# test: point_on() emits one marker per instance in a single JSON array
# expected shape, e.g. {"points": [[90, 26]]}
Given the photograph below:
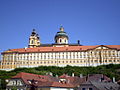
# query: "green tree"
{"points": [[14, 88]]}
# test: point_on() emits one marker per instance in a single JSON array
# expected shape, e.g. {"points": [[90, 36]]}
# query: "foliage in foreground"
{"points": [[109, 70]]}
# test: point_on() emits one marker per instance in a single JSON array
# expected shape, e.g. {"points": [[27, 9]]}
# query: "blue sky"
{"points": [[93, 22]]}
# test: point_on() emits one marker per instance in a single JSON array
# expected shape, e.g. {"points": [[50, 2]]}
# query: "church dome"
{"points": [[61, 33], [61, 37]]}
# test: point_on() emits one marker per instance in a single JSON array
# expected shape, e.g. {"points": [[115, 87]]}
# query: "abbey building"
{"points": [[61, 53]]}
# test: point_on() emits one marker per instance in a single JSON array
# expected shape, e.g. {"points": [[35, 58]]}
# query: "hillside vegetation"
{"points": [[109, 70]]}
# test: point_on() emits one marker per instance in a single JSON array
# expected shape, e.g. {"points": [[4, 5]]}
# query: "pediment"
{"points": [[102, 47]]}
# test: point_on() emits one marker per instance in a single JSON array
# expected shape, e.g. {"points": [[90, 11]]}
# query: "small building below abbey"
{"points": [[61, 53]]}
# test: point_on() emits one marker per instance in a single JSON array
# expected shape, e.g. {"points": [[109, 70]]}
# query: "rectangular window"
{"points": [[90, 89], [83, 88]]}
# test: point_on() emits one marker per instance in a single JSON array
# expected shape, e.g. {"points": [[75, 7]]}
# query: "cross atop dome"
{"points": [[33, 32], [61, 28], [61, 37]]}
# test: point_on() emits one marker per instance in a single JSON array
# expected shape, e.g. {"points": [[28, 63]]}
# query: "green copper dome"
{"points": [[61, 33]]}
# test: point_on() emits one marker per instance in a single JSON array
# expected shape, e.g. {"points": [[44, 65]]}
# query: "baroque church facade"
{"points": [[61, 53]]}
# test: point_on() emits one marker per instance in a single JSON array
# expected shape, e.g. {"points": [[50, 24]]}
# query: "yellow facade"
{"points": [[101, 55], [59, 54]]}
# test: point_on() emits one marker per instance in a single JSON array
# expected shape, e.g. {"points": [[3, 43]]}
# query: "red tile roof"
{"points": [[64, 76], [57, 49], [28, 76], [54, 84], [118, 81], [73, 80], [98, 77], [50, 81], [59, 84], [42, 80]]}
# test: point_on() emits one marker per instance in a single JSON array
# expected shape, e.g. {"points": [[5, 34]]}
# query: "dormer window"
{"points": [[32, 81], [29, 81], [14, 82], [62, 80]]}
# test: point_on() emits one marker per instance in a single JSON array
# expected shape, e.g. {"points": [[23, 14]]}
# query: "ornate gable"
{"points": [[102, 47]]}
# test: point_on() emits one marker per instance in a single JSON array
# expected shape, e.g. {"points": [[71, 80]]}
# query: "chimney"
{"points": [[56, 76], [102, 78], [6, 80], [25, 48], [51, 74], [87, 77], [81, 75], [47, 73], [113, 80], [78, 42], [73, 74], [68, 81]]}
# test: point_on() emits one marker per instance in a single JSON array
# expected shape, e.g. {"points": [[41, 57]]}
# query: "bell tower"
{"points": [[34, 40], [61, 37]]}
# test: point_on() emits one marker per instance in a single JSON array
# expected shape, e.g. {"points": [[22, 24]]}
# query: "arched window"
{"points": [[32, 42], [60, 40], [65, 41]]}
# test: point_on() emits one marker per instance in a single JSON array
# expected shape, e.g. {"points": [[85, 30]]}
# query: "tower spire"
{"points": [[34, 40], [61, 28]]}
